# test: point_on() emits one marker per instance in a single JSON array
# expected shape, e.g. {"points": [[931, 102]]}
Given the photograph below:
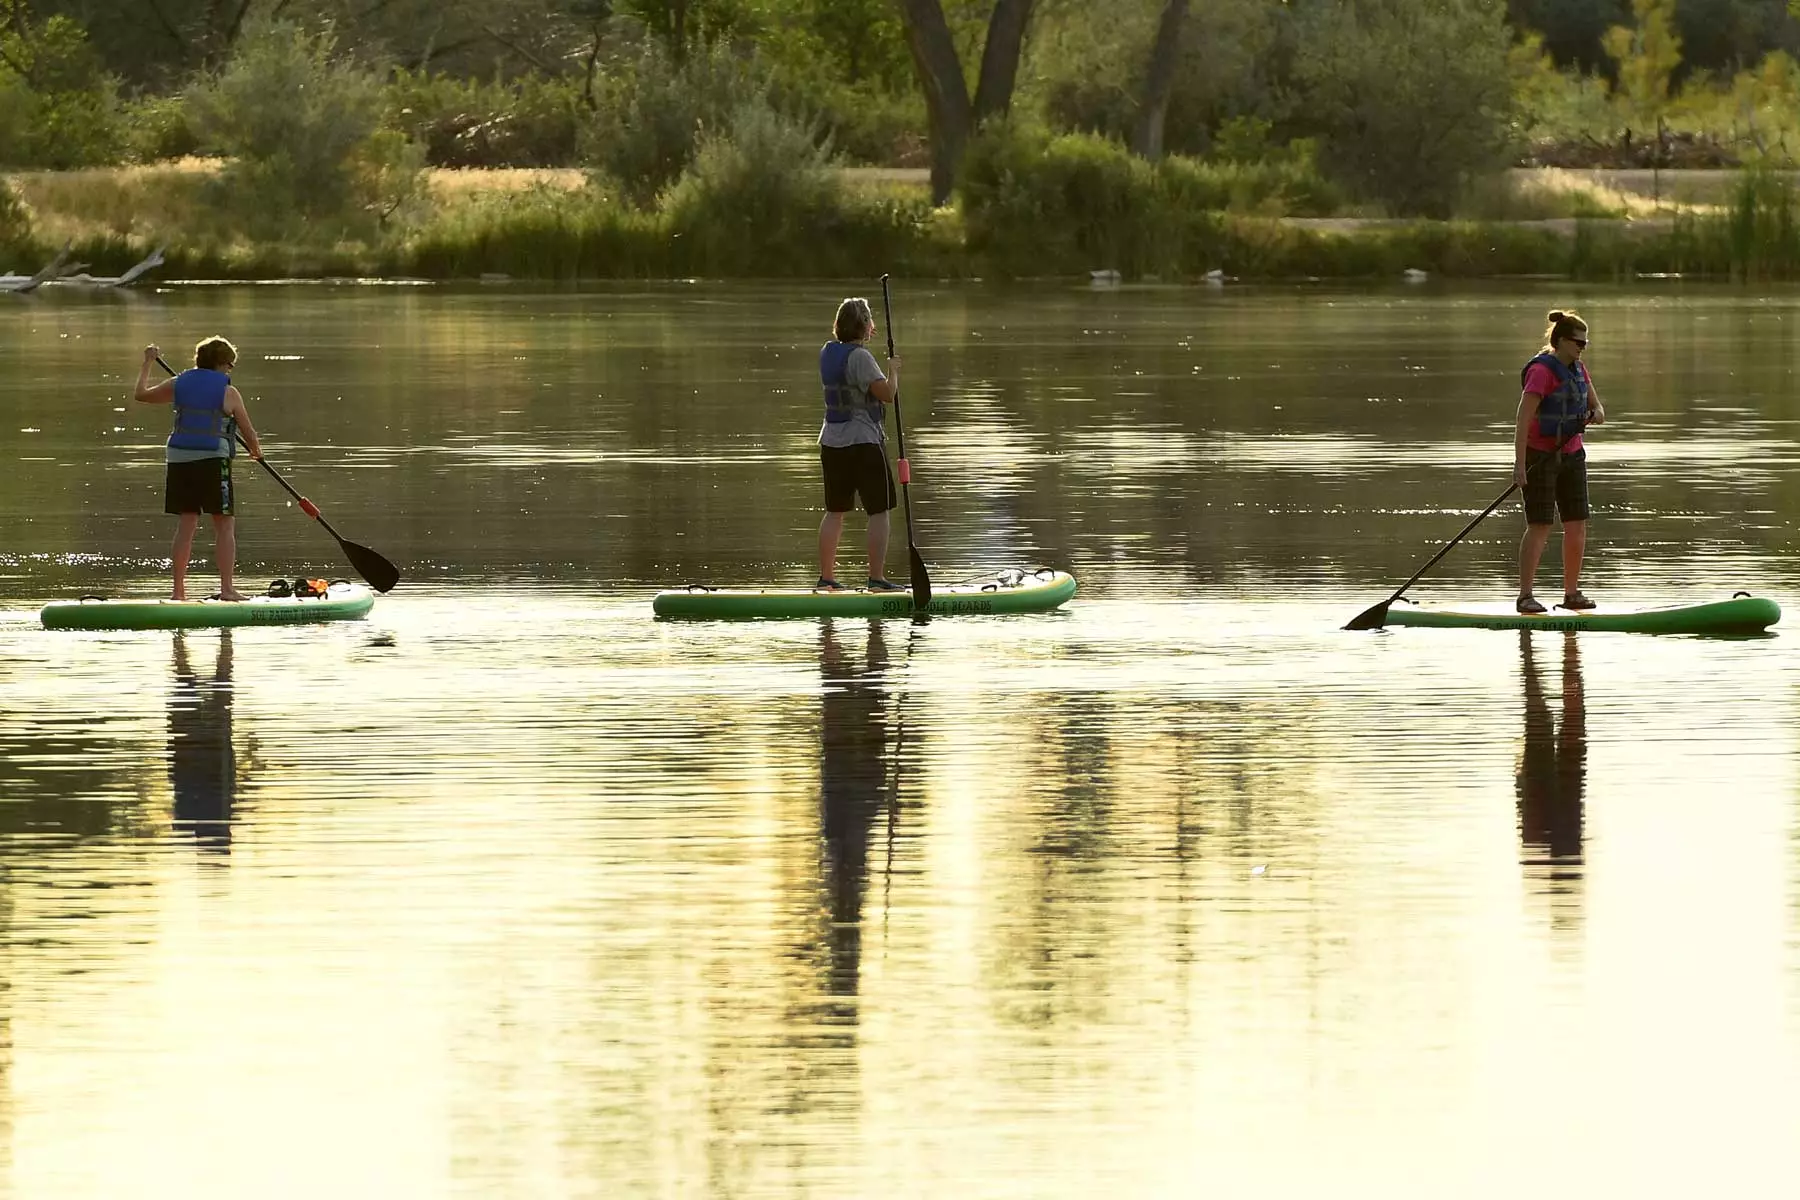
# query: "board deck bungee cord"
{"points": [[1009, 591]]}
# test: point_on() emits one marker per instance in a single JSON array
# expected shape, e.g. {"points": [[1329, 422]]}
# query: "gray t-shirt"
{"points": [[861, 370]]}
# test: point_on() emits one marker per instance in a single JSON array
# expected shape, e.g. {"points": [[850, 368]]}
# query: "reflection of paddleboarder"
{"points": [[853, 764], [1553, 764], [202, 764]]}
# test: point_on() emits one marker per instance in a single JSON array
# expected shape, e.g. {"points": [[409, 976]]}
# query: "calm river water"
{"points": [[512, 890]]}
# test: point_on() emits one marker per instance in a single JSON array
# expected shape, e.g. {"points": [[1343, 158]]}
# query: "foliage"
{"points": [[1399, 127], [15, 218], [58, 106], [1767, 102], [531, 121], [1086, 72], [302, 126], [762, 187], [653, 113], [1646, 56]]}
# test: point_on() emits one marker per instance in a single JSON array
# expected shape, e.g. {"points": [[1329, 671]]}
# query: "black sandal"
{"points": [[1530, 606]]}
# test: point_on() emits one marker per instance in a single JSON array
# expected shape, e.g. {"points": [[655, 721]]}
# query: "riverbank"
{"points": [[557, 226]]}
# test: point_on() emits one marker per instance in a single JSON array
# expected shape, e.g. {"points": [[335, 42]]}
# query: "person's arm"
{"points": [[885, 388], [147, 393], [1528, 406], [234, 408], [1596, 410]]}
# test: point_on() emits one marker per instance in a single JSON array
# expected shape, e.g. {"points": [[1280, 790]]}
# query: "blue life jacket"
{"points": [[1563, 413], [842, 398], [200, 420]]}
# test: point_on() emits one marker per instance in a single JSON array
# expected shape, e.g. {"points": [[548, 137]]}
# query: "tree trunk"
{"points": [[946, 93], [952, 115], [1000, 58], [1159, 80]]}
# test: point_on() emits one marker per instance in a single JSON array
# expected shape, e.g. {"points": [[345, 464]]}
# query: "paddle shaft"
{"points": [[921, 581]]}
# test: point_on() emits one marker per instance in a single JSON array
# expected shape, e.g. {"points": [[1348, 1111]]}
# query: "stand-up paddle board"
{"points": [[1742, 614], [341, 602], [1009, 591]]}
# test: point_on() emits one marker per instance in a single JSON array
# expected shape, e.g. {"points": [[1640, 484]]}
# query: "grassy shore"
{"points": [[557, 225]]}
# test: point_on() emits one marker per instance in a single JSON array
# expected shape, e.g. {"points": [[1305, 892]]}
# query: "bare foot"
{"points": [[233, 594], [178, 595]]}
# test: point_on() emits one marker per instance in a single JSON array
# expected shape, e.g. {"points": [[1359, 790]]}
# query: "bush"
{"points": [[1401, 127], [157, 129], [756, 191], [533, 121], [303, 130], [1035, 205], [653, 113], [58, 106], [15, 218]]}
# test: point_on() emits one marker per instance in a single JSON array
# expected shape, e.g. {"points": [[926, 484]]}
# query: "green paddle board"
{"points": [[1010, 591], [343, 602], [1742, 614]]}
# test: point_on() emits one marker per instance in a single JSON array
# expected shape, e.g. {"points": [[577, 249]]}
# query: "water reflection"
{"points": [[857, 743], [1552, 775], [202, 763]]}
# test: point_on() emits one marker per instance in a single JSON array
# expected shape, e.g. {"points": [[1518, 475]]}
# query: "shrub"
{"points": [[303, 129], [755, 192], [15, 218], [533, 121], [1398, 126], [653, 113], [157, 129], [58, 106]]}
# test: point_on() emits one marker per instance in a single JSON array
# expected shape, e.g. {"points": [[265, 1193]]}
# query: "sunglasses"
{"points": [[1582, 342]]}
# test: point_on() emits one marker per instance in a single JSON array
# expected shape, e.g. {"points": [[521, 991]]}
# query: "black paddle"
{"points": [[381, 574], [1375, 616], [921, 582]]}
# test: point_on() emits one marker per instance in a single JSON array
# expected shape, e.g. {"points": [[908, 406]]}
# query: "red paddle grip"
{"points": [[905, 470], [309, 508]]}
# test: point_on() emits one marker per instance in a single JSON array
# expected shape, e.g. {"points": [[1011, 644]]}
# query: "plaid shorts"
{"points": [[1555, 483]]}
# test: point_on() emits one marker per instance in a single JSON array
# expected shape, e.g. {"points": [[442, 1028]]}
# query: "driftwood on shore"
{"points": [[59, 271]]}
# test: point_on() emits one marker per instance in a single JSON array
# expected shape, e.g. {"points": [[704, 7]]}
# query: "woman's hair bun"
{"points": [[1557, 314]]}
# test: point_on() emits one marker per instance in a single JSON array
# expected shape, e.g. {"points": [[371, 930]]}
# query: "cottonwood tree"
{"points": [[952, 114], [1159, 80]]}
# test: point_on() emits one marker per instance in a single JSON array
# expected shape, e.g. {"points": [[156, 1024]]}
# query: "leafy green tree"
{"points": [[1408, 129], [58, 105], [1646, 56]]}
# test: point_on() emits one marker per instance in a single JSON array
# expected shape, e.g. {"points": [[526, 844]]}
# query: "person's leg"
{"points": [[185, 525], [1574, 549], [1531, 549], [879, 527], [875, 485], [225, 536], [831, 529]]}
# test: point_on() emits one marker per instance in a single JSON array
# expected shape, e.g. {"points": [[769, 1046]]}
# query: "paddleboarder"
{"points": [[208, 412], [853, 442], [1557, 402]]}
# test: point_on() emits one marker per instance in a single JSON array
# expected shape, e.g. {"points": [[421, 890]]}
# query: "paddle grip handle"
{"points": [[903, 470], [309, 508]]}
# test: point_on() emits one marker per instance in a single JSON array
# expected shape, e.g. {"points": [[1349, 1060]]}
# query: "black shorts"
{"points": [[859, 470], [201, 486], [1555, 483]]}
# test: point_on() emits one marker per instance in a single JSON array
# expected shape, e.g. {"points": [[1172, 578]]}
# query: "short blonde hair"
{"points": [[213, 353]]}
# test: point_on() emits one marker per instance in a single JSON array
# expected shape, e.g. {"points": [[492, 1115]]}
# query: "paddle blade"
{"points": [[381, 574], [921, 582], [1370, 618]]}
